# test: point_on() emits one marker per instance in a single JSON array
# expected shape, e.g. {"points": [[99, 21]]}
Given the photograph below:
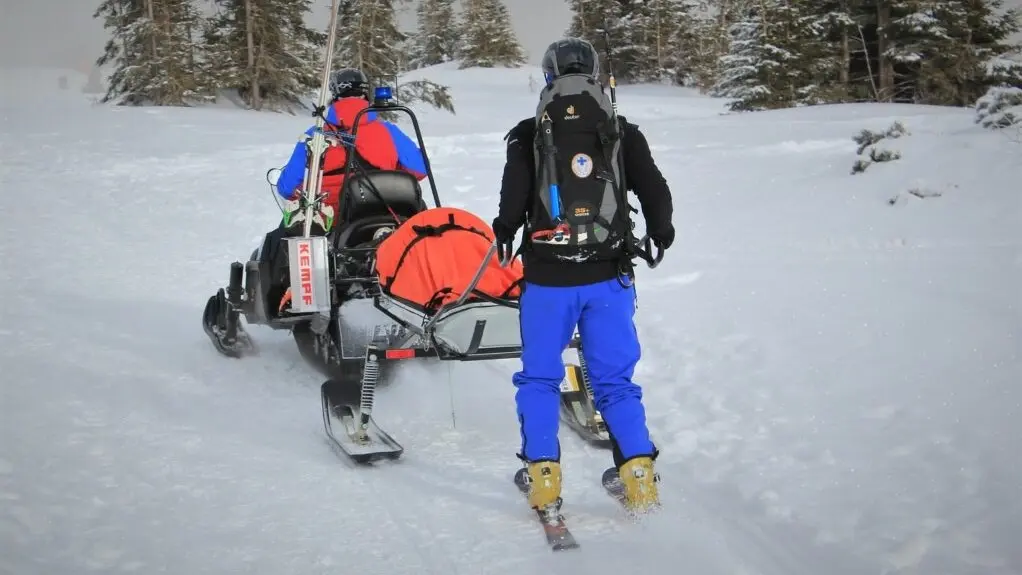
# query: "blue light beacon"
{"points": [[383, 96]]}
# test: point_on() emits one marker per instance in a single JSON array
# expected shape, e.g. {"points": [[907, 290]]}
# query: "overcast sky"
{"points": [[63, 33]]}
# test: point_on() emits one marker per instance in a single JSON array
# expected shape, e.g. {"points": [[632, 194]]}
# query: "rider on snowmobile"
{"points": [[379, 144]]}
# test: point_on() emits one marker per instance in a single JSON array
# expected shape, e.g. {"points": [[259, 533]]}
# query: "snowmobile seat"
{"points": [[380, 192]]}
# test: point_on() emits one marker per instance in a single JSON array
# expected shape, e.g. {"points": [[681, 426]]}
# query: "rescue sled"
{"points": [[431, 274]]}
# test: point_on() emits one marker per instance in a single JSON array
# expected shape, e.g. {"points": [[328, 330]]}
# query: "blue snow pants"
{"points": [[604, 314]]}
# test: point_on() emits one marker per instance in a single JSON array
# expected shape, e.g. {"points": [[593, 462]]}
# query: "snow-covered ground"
{"points": [[831, 363]]}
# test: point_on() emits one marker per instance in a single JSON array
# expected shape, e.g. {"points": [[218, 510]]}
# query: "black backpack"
{"points": [[577, 151]]}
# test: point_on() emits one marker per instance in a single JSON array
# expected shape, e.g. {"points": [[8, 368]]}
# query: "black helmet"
{"points": [[570, 56], [348, 82]]}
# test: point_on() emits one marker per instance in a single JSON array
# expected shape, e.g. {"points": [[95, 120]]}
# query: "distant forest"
{"points": [[761, 54]]}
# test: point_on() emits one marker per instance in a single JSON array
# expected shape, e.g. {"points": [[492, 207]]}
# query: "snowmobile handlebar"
{"points": [[644, 249]]}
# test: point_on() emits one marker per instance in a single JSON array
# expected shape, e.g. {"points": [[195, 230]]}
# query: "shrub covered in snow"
{"points": [[873, 150], [1000, 107]]}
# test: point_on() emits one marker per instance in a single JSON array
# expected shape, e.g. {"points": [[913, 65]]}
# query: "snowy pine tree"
{"points": [[805, 33], [589, 19], [436, 39], [953, 49], [935, 52], [694, 46], [487, 39], [263, 49], [797, 52], [741, 73], [651, 54], [756, 72], [153, 51], [368, 39]]}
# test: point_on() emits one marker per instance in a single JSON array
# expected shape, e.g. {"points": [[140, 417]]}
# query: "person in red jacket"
{"points": [[379, 144]]}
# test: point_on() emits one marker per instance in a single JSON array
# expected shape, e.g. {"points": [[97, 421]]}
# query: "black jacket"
{"points": [[517, 196]]}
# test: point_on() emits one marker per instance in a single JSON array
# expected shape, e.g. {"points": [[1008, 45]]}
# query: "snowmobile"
{"points": [[339, 267]]}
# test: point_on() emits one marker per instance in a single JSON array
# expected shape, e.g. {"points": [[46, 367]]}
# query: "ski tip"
{"points": [[611, 475]]}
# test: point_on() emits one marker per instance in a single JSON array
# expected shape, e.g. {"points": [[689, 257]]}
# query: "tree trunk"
{"points": [[582, 18], [846, 50], [151, 13], [846, 59], [250, 39], [119, 14], [257, 94], [722, 28], [190, 30], [884, 44]]}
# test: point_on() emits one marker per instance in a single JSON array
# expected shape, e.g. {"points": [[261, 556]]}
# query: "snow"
{"points": [[831, 362]]}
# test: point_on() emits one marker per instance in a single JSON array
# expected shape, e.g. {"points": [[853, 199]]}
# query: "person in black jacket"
{"points": [[588, 290]]}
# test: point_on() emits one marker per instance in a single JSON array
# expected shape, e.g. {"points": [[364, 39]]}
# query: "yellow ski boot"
{"points": [[544, 484], [640, 485]]}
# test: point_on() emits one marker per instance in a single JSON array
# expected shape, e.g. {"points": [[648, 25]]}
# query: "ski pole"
{"points": [[610, 73]]}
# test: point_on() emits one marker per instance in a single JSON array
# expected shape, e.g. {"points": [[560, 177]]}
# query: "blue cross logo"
{"points": [[581, 162]]}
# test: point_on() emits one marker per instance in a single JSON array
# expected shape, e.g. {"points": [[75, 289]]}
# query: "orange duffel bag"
{"points": [[434, 255]]}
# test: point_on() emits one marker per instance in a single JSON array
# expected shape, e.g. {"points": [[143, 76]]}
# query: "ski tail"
{"points": [[558, 536]]}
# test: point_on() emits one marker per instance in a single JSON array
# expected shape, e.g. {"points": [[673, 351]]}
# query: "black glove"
{"points": [[663, 237], [505, 236]]}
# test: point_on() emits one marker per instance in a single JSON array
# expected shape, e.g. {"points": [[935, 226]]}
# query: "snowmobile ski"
{"points": [[558, 536], [357, 435], [577, 409], [222, 325]]}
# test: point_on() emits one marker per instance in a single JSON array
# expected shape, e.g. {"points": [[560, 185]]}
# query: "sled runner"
{"points": [[430, 275]]}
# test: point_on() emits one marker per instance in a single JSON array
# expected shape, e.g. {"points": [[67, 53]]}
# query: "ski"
{"points": [[359, 437], [577, 409], [222, 325], [612, 484], [558, 536]]}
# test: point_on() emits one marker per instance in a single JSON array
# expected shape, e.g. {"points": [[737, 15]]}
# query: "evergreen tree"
{"points": [[747, 70], [657, 38], [263, 49], [723, 14], [588, 18], [651, 54], [487, 37], [369, 39], [774, 53], [806, 32], [598, 22], [436, 39], [944, 52], [153, 50], [742, 71], [694, 47]]}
